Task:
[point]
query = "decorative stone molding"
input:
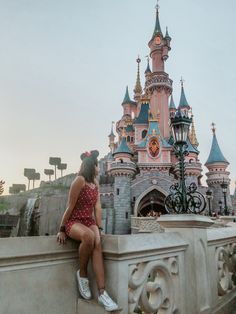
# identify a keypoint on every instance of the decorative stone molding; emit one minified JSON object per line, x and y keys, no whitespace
{"x":151,"y":286}
{"x":146,"y":224}
{"x":225,"y":257}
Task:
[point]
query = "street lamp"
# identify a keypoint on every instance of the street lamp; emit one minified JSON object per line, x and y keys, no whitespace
{"x":182,"y":199}
{"x":224,"y":186}
{"x":220,"y":206}
{"x":209,"y":198}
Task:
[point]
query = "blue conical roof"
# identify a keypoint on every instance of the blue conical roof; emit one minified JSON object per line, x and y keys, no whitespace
{"x":183,"y":101}
{"x":172,"y":103}
{"x":215,"y":153}
{"x":148,"y":70}
{"x":126,"y":98}
{"x":191,"y":148}
{"x":123,"y":147}
{"x":167,"y":34}
{"x":143,"y":115}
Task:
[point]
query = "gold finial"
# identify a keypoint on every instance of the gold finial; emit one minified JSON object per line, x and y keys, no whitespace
{"x":213,"y":127}
{"x":192,"y":135}
{"x":138,"y":87}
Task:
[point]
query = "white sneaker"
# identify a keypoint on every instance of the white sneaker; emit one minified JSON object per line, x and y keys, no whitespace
{"x":107,"y":302}
{"x":83,"y":285}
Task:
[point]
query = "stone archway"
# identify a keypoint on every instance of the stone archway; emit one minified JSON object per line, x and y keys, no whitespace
{"x":150,"y":203}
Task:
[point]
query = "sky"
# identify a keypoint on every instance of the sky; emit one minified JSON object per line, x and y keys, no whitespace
{"x":64,"y":66}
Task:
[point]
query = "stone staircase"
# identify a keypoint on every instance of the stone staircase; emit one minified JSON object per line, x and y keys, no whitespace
{"x":92,"y":307}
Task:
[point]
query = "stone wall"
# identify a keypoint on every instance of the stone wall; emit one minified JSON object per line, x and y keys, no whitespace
{"x":37,"y":276}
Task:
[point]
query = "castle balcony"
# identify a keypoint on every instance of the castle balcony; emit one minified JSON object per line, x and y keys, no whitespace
{"x":159,"y":80}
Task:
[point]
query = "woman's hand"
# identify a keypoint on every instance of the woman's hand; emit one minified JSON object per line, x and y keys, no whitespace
{"x":61,"y":237}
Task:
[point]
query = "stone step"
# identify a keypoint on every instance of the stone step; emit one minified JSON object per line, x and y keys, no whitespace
{"x":92,"y":307}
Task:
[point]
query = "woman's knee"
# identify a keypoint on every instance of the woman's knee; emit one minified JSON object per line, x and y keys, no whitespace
{"x":88,"y":238}
{"x":97,"y":244}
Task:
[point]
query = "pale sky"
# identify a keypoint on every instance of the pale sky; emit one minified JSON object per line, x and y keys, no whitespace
{"x":64,"y":66}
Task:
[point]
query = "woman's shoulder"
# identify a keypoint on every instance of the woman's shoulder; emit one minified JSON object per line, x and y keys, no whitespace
{"x":79,"y":180}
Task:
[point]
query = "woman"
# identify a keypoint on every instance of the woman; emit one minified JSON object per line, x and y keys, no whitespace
{"x":82,"y":222}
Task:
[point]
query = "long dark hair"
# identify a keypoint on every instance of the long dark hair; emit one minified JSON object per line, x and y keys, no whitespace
{"x":87,"y":168}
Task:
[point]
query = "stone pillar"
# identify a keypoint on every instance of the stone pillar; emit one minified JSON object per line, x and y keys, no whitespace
{"x":197,"y":286}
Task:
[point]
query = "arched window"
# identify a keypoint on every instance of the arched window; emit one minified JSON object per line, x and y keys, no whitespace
{"x":128,"y":138}
{"x":144,"y":133}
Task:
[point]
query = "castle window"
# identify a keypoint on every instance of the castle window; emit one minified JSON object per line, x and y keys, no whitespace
{"x":121,"y":161}
{"x":117,"y":191}
{"x":126,"y":215}
{"x":144,"y":133}
{"x":128,"y":138}
{"x":132,"y":139}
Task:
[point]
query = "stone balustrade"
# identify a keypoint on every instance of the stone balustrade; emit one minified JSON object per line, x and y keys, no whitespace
{"x":188,"y":269}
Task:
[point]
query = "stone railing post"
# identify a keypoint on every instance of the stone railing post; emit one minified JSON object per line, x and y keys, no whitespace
{"x":197,"y":278}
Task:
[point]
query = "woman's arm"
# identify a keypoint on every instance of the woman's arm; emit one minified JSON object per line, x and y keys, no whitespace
{"x":74,"y":192}
{"x":98,"y":209}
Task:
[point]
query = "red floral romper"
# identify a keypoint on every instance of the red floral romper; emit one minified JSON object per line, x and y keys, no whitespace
{"x":84,"y":207}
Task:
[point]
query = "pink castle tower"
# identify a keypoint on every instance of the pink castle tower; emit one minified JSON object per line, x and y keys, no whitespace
{"x":142,"y":164}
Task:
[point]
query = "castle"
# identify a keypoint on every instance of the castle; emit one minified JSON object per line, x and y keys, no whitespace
{"x":136,"y":175}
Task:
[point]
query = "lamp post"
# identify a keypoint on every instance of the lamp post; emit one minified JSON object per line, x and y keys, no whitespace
{"x":183,"y":199}
{"x":224,"y":186}
{"x":209,"y":198}
{"x":220,"y":206}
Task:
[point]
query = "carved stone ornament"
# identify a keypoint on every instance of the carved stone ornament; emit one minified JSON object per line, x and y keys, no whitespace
{"x":151,"y":286}
{"x":226,"y":264}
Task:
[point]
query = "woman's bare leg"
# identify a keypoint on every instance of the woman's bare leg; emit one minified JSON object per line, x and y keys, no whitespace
{"x":82,"y":233}
{"x":97,"y":260}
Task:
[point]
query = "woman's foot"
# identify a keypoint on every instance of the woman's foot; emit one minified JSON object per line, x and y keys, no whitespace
{"x":107,"y":302}
{"x":83,"y":285}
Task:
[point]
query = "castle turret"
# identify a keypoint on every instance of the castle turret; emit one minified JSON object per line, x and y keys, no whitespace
{"x":159,"y":85}
{"x":129,"y":105}
{"x":123,"y":170}
{"x":217,"y":164}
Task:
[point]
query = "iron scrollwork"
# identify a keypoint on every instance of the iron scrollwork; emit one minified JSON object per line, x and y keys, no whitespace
{"x":182,"y":199}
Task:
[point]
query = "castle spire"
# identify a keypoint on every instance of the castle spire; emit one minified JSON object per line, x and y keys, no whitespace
{"x":167,"y":34}
{"x":138,"y":87}
{"x":215,"y":153}
{"x":183,"y":101}
{"x":148,"y":70}
{"x":172,"y":103}
{"x":192,"y":134}
{"x":157,"y":28}
{"x":112,"y":133}
{"x":126,"y":98}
